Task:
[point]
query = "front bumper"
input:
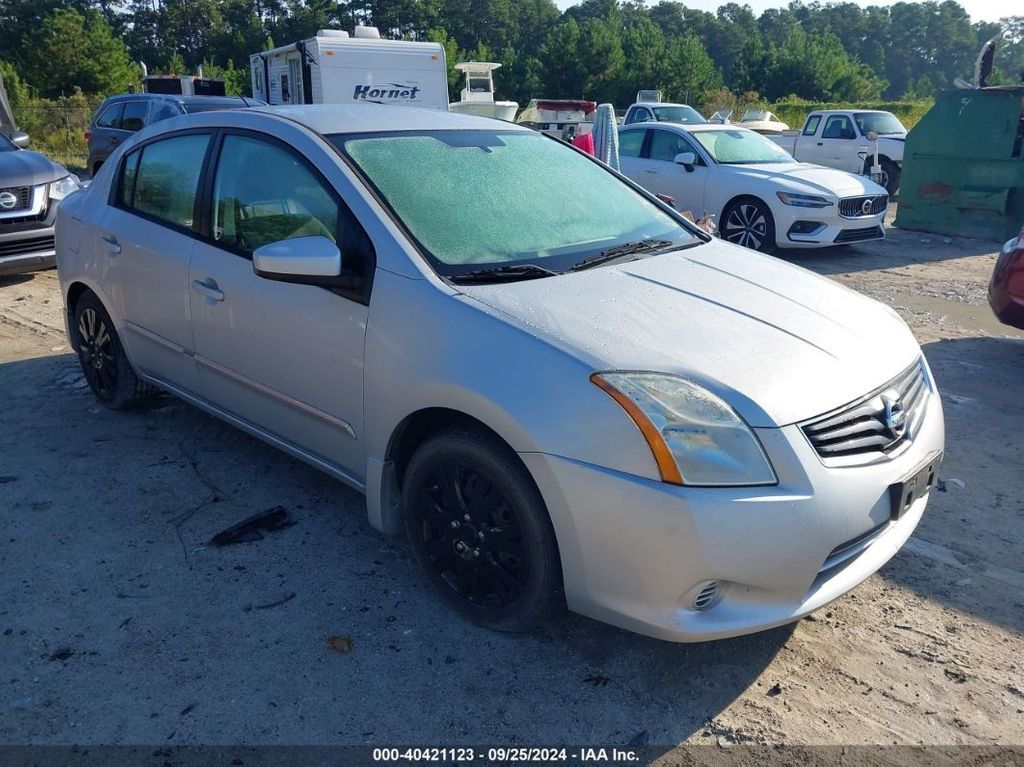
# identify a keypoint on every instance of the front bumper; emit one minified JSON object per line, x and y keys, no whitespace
{"x":823,"y":227}
{"x":27,"y":244}
{"x":636,"y":552}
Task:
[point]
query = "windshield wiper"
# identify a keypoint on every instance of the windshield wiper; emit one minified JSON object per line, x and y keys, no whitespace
{"x":629,"y":249}
{"x":508,"y":273}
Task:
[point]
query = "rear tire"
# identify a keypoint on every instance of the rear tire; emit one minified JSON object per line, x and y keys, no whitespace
{"x":891,"y":177}
{"x":750,"y":223}
{"x":479,"y":528}
{"x":104,"y":364}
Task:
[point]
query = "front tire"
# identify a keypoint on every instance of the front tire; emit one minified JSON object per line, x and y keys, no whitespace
{"x":479,"y":528}
{"x":104,"y":364}
{"x":750,"y":223}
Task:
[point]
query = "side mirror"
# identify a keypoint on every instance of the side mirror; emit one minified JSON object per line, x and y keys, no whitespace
{"x":312,"y":260}
{"x":20,"y":139}
{"x":687,"y":160}
{"x":872,"y":135}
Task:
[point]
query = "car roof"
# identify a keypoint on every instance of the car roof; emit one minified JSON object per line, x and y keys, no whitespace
{"x":378,"y":118}
{"x":184,"y":99}
{"x":688,"y":127}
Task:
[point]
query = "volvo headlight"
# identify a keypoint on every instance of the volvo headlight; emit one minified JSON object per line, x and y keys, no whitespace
{"x":804,"y":200}
{"x":62,"y":187}
{"x":696,"y":438}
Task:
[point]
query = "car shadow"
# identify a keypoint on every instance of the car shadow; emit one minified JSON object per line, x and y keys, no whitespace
{"x":14,"y":279}
{"x":900,"y":248}
{"x":326,"y":628}
{"x":966,"y":552}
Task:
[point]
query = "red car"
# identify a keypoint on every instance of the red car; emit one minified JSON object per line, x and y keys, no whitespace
{"x":1006,"y":291}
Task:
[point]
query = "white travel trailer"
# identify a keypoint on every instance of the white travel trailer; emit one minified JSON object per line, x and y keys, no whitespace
{"x":334,"y":68}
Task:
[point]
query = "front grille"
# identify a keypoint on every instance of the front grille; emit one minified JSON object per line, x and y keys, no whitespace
{"x":859,"y":235}
{"x":26,"y":246}
{"x":22,"y":199}
{"x":870,"y":426}
{"x":854,"y":207}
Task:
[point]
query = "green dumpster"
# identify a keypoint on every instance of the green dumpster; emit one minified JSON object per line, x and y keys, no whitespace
{"x":963,"y":169}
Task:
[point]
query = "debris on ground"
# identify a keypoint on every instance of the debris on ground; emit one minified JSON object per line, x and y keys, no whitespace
{"x":270,"y":605}
{"x":253,"y":528}
{"x":340,"y":643}
{"x":61,"y":653}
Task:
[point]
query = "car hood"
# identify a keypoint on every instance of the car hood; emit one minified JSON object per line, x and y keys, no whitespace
{"x":24,"y":168}
{"x":779,"y":343}
{"x":807,"y":178}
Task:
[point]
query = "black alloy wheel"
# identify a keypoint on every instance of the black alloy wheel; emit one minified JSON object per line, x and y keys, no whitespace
{"x":472,"y":535}
{"x":104,"y":364}
{"x":478,"y":526}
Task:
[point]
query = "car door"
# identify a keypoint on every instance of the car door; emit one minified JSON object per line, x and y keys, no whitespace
{"x":285,"y":358}
{"x":105,"y":134}
{"x":659,"y":173}
{"x":144,"y":239}
{"x":839,"y":143}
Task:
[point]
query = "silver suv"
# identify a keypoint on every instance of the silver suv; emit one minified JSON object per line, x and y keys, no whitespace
{"x":31,"y":186}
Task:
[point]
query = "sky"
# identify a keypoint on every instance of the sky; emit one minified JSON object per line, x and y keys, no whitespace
{"x":979,"y":10}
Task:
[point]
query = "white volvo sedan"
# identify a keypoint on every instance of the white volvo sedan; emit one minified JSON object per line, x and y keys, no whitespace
{"x":561,"y":394}
{"x":761,"y":196}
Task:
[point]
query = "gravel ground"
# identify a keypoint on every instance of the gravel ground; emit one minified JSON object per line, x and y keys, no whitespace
{"x":119,"y":625}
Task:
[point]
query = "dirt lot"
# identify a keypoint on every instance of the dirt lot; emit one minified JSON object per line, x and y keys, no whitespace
{"x":119,"y":625}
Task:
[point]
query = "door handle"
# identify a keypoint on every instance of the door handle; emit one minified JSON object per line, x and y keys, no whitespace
{"x":115,"y":140}
{"x":113,"y":246}
{"x":821,"y":143}
{"x":649,"y":170}
{"x":209,"y":289}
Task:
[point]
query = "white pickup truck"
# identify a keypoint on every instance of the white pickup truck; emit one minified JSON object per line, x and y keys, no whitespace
{"x":847,"y":140}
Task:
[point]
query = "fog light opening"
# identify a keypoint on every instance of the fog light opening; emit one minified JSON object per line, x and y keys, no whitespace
{"x":707,"y":595}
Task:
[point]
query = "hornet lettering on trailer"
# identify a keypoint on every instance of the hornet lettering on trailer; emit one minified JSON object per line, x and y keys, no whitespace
{"x":392,"y":91}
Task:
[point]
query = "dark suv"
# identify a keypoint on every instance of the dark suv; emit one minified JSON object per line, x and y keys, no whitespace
{"x":120,"y":116}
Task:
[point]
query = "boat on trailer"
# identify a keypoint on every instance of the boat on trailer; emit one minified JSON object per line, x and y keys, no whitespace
{"x":478,"y":96}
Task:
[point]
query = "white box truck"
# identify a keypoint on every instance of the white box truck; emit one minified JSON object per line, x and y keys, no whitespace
{"x":335,"y":68}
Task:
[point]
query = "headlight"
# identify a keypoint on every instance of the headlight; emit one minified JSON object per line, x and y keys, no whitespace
{"x":696,"y":438}
{"x":804,"y":200}
{"x":62,"y":187}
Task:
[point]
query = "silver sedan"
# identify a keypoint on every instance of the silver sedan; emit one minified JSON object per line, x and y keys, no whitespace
{"x":556,"y":387}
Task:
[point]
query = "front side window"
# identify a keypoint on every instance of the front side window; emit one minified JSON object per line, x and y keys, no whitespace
{"x":812,"y":125}
{"x":631,"y":142}
{"x":161,"y":179}
{"x":6,"y":145}
{"x":134,"y":116}
{"x":263,"y":193}
{"x":485,"y":198}
{"x":741,"y":147}
{"x":111,"y":116}
{"x":838,"y":126}
{"x":665,"y":145}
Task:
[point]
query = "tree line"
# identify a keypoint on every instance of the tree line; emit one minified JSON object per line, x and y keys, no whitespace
{"x":603,"y":50}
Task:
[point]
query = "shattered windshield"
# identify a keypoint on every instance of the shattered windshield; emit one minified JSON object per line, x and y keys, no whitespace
{"x":491,"y":198}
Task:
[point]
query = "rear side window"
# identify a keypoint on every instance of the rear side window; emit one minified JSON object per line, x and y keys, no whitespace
{"x":111,"y":116}
{"x":838,"y":126}
{"x":282,"y":200}
{"x":161,"y":179}
{"x":165,"y":111}
{"x":631,"y":142}
{"x":134,"y":116}
{"x":812,"y":125}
